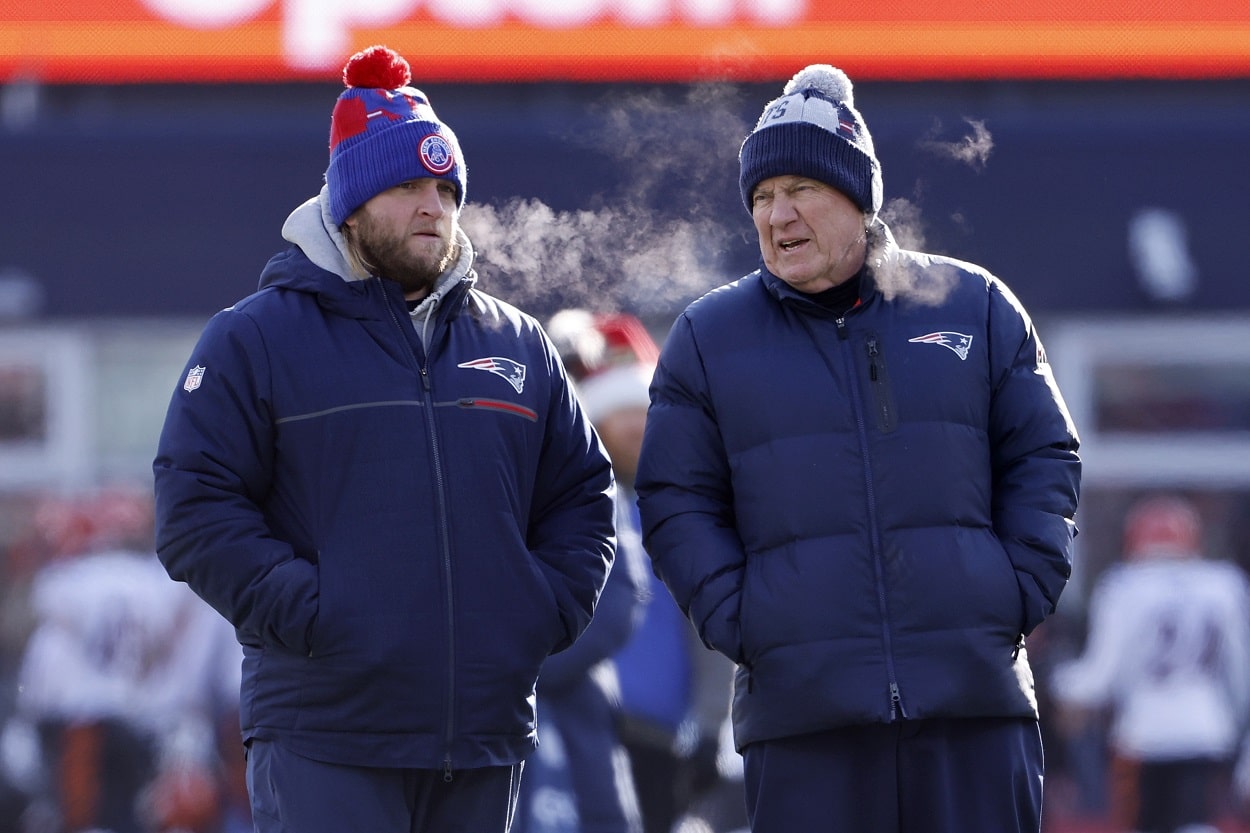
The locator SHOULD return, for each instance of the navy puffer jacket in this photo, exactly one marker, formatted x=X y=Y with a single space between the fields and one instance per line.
x=400 y=535
x=867 y=513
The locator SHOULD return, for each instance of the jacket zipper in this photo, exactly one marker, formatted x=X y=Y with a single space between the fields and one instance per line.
x=878 y=380
x=445 y=539
x=440 y=490
x=876 y=366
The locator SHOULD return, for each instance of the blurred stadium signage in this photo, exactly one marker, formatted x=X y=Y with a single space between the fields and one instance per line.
x=119 y=41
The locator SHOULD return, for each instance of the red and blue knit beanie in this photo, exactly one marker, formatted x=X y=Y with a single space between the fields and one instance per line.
x=814 y=130
x=384 y=132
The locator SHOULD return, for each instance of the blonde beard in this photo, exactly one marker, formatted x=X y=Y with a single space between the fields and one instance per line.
x=416 y=276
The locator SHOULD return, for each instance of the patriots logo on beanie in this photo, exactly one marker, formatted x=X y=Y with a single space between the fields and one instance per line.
x=813 y=130
x=383 y=132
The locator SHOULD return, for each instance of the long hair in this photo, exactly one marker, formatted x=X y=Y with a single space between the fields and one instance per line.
x=356 y=260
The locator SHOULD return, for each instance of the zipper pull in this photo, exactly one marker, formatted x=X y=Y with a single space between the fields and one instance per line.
x=895 y=701
x=447 y=776
x=873 y=352
x=841 y=322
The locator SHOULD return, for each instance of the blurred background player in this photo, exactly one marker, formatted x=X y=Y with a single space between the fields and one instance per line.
x=127 y=685
x=580 y=780
x=674 y=692
x=1167 y=660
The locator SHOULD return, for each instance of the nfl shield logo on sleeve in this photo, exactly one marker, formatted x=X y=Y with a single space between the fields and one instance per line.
x=194 y=375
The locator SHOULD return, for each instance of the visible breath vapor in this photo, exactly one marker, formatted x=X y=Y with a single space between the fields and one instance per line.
x=623 y=258
x=659 y=240
x=973 y=149
x=648 y=249
x=906 y=220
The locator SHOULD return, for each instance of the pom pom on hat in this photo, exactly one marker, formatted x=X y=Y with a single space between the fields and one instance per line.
x=814 y=130
x=383 y=132
x=830 y=81
x=377 y=66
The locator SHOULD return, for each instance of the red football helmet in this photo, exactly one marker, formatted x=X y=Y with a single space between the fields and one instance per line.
x=1162 y=525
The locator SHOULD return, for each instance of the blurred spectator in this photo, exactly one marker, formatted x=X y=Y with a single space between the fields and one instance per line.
x=579 y=782
x=1167 y=659
x=674 y=693
x=125 y=683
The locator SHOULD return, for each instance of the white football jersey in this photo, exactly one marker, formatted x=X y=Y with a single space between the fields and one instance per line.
x=116 y=638
x=1168 y=651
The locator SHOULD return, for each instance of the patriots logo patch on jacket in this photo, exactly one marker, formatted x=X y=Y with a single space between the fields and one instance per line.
x=511 y=371
x=958 y=343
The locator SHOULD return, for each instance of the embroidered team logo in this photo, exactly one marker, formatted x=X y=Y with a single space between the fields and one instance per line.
x=507 y=369
x=846 y=124
x=957 y=343
x=436 y=154
x=194 y=376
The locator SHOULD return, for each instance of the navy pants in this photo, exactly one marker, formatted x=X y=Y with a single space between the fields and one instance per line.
x=915 y=776
x=293 y=794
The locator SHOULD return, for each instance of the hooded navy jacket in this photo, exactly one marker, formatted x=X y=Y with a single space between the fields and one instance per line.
x=400 y=533
x=866 y=513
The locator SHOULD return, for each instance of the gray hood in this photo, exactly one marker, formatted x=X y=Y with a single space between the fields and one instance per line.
x=309 y=226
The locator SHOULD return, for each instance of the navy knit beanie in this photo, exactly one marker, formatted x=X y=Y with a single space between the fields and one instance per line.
x=384 y=132
x=814 y=130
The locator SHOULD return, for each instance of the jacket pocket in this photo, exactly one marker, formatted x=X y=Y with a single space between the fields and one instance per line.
x=501 y=406
x=881 y=392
